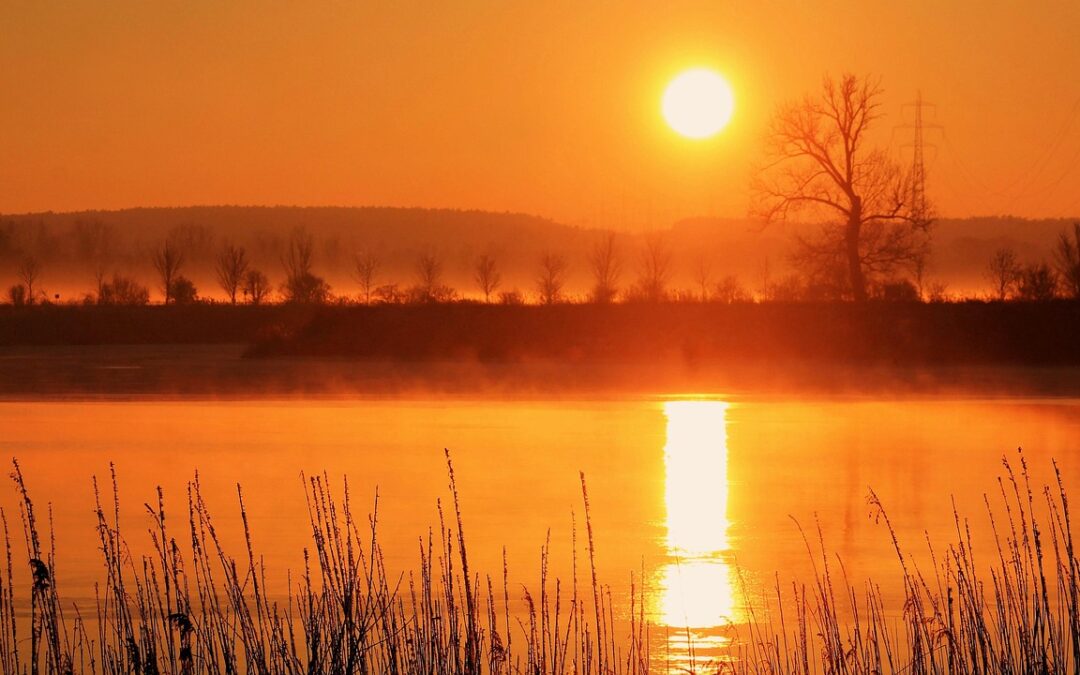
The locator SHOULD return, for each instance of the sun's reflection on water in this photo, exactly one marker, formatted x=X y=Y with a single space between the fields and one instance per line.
x=696 y=596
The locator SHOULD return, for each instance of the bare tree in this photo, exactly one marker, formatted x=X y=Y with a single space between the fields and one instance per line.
x=487 y=275
x=703 y=275
x=298 y=256
x=552 y=278
x=428 y=275
x=429 y=286
x=301 y=284
x=428 y=270
x=818 y=165
x=231 y=266
x=1003 y=272
x=256 y=286
x=167 y=261
x=731 y=290
x=606 y=268
x=919 y=270
x=1067 y=258
x=29 y=271
x=366 y=265
x=655 y=269
x=100 y=279
x=96 y=243
x=765 y=273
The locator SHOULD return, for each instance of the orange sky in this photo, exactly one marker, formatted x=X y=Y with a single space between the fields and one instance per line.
x=544 y=107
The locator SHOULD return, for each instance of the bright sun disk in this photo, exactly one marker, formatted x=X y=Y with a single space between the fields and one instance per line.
x=698 y=103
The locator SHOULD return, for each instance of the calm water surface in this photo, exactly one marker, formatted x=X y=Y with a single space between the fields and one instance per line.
x=704 y=496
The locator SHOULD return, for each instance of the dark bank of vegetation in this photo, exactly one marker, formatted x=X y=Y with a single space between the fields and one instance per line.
x=146 y=324
x=194 y=606
x=884 y=333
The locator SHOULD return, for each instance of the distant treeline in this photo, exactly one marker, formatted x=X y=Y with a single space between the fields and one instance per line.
x=399 y=256
x=876 y=332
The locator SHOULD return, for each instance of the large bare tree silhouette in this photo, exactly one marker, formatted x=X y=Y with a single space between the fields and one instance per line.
x=818 y=165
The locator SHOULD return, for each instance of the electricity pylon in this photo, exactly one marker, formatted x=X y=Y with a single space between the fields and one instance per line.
x=920 y=209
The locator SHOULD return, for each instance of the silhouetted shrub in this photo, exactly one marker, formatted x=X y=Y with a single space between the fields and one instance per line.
x=388 y=294
x=421 y=294
x=122 y=291
x=306 y=289
x=513 y=297
x=939 y=292
x=900 y=290
x=182 y=291
x=1038 y=283
x=17 y=295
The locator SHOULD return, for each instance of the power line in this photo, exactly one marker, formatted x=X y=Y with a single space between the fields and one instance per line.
x=1024 y=183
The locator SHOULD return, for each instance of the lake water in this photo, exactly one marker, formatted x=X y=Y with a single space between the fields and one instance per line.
x=701 y=494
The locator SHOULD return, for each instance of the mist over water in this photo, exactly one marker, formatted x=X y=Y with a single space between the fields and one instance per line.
x=221 y=371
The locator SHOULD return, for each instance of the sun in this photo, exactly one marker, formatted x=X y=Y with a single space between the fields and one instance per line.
x=698 y=103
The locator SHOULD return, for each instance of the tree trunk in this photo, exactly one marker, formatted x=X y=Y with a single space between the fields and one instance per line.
x=854 y=260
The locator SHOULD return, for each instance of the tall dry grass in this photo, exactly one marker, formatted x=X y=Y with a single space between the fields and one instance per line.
x=192 y=607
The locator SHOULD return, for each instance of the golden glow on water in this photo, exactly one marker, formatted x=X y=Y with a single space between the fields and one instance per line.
x=696 y=588
x=695 y=481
